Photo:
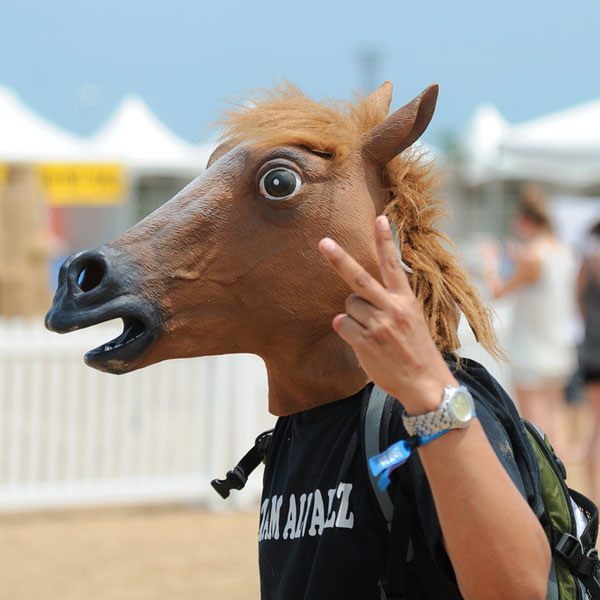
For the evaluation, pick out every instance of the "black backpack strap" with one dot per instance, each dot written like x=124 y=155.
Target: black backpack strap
x=376 y=421
x=375 y=439
x=589 y=536
x=400 y=546
x=237 y=477
x=405 y=552
x=580 y=553
x=407 y=547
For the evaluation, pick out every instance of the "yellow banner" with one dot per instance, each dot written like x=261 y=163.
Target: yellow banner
x=3 y=175
x=83 y=184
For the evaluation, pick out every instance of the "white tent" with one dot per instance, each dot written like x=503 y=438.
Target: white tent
x=135 y=137
x=27 y=137
x=484 y=134
x=574 y=130
x=562 y=148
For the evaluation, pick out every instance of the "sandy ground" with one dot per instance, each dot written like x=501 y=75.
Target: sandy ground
x=170 y=552
x=175 y=553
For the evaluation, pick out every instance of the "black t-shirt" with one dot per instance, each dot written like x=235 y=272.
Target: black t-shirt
x=321 y=532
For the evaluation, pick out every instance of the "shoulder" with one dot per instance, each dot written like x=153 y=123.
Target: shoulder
x=488 y=394
x=496 y=410
x=501 y=422
x=531 y=257
x=590 y=265
x=504 y=428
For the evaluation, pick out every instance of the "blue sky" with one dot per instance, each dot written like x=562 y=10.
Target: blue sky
x=185 y=57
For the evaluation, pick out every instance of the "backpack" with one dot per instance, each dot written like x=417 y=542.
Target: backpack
x=575 y=569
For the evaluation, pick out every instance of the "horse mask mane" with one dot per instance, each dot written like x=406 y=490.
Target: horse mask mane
x=224 y=268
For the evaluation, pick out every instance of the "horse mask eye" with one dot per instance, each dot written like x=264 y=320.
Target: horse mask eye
x=278 y=184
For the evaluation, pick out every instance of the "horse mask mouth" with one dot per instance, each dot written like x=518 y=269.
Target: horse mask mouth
x=97 y=286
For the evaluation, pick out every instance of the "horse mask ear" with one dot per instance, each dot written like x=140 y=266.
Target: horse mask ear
x=401 y=129
x=382 y=96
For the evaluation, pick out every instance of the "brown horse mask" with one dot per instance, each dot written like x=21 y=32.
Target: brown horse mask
x=230 y=264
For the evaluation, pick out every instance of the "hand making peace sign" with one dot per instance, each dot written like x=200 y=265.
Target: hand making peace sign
x=385 y=326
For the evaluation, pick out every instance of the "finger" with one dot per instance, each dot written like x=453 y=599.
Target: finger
x=361 y=311
x=356 y=276
x=392 y=272
x=348 y=329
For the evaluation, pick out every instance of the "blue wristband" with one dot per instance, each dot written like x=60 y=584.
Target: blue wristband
x=382 y=465
x=393 y=457
x=425 y=439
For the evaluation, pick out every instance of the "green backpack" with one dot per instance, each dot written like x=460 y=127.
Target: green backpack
x=575 y=566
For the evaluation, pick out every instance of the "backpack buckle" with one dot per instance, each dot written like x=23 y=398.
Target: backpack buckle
x=237 y=477
x=234 y=480
x=570 y=549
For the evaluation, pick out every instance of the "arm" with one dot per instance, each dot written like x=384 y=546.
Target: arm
x=494 y=540
x=580 y=284
x=496 y=544
x=527 y=270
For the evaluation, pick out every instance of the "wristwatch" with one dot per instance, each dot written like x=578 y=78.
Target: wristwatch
x=455 y=412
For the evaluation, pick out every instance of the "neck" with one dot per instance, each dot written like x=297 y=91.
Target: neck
x=312 y=375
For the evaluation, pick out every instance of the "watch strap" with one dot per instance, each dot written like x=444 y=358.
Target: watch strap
x=426 y=425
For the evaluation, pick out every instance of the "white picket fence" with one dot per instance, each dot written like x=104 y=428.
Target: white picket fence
x=72 y=436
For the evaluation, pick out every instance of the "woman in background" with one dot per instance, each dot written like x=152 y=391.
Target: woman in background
x=540 y=347
x=588 y=296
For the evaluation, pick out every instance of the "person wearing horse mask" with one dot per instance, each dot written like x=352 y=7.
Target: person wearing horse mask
x=284 y=248
x=471 y=481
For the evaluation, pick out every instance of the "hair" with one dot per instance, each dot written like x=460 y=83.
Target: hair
x=286 y=116
x=595 y=229
x=534 y=206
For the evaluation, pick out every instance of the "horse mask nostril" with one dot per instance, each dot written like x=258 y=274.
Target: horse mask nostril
x=90 y=275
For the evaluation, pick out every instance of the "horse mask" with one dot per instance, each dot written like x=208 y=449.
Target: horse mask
x=230 y=264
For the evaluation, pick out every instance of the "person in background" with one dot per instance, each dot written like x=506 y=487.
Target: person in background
x=541 y=348
x=588 y=296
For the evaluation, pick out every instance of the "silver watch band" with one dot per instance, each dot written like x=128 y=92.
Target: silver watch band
x=427 y=423
x=442 y=419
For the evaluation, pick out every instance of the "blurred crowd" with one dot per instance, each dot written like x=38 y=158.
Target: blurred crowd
x=555 y=376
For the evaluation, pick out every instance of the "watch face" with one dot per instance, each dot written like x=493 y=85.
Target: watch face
x=461 y=406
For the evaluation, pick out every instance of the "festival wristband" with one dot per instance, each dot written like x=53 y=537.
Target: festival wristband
x=382 y=465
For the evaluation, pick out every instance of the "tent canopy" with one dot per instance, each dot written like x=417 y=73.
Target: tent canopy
x=484 y=134
x=572 y=131
x=27 y=137
x=562 y=148
x=134 y=136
